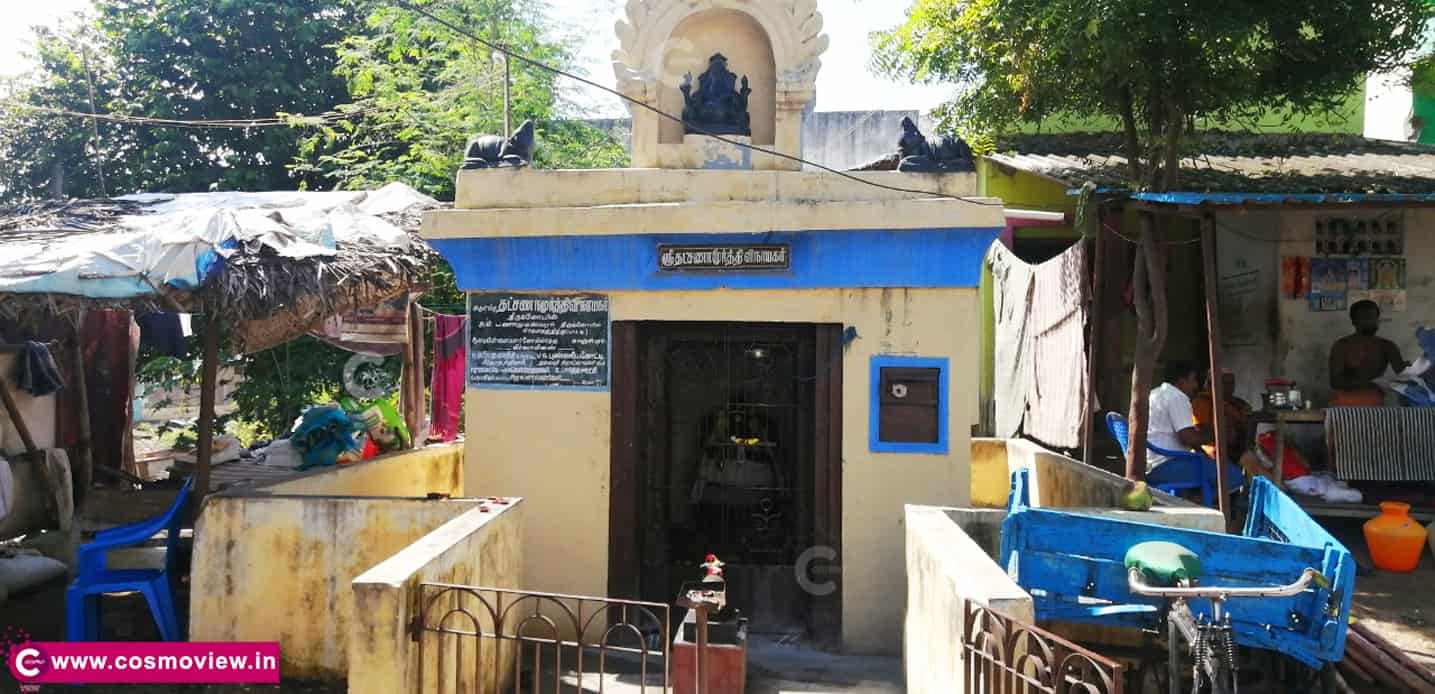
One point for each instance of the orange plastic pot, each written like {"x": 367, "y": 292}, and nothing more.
{"x": 1395, "y": 540}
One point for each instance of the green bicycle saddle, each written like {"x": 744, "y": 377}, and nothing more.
{"x": 1164, "y": 563}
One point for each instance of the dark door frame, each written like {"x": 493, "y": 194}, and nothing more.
{"x": 627, "y": 454}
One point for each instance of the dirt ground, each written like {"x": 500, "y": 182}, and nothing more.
{"x": 1400, "y": 607}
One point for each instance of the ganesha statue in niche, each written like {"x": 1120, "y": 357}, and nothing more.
{"x": 718, "y": 106}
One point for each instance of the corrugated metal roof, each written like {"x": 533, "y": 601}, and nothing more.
{"x": 1226, "y": 162}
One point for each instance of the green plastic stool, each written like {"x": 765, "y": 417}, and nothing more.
{"x": 1164, "y": 563}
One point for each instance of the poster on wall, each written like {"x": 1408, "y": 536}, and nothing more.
{"x": 1357, "y": 275}
{"x": 1240, "y": 296}
{"x": 538, "y": 341}
{"x": 1328, "y": 279}
{"x": 1295, "y": 277}
{"x": 1390, "y": 300}
{"x": 1387, "y": 274}
{"x": 1387, "y": 283}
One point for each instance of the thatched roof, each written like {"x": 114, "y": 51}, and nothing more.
{"x": 274, "y": 265}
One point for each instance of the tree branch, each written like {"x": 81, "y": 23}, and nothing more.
{"x": 1156, "y": 279}
{"x": 1130, "y": 135}
{"x": 1175, "y": 123}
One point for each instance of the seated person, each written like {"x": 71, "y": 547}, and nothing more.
{"x": 1172, "y": 424}
{"x": 1237, "y": 413}
{"x": 1237, "y": 424}
{"x": 1358, "y": 359}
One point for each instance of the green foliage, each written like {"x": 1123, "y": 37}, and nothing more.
{"x": 35, "y": 146}
{"x": 174, "y": 59}
{"x": 281, "y": 382}
{"x": 411, "y": 90}
{"x": 420, "y": 90}
{"x": 222, "y": 59}
{"x": 1154, "y": 66}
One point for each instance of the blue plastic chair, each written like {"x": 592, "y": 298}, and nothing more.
{"x": 82, "y": 599}
{"x": 1182, "y": 470}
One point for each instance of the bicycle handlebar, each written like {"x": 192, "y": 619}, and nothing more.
{"x": 1139, "y": 587}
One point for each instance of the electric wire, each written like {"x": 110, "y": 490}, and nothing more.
{"x": 326, "y": 118}
{"x": 690, "y": 127}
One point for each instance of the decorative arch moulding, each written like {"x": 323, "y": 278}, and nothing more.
{"x": 793, "y": 27}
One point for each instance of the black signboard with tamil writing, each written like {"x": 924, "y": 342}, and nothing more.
{"x": 720, "y": 258}
{"x": 538, "y": 341}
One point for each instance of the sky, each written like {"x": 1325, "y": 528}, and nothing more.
{"x": 843, "y": 84}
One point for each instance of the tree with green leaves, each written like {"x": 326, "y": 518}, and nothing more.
{"x": 191, "y": 60}
{"x": 421, "y": 89}
{"x": 44, "y": 154}
{"x": 1154, "y": 66}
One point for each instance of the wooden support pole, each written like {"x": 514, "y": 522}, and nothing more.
{"x": 1396, "y": 652}
{"x": 208, "y": 384}
{"x": 416, "y": 343}
{"x": 1093, "y": 322}
{"x": 1386, "y": 668}
{"x": 408, "y": 402}
{"x": 1354, "y": 669}
{"x": 13, "y": 410}
{"x": 701, "y": 652}
{"x": 1213, "y": 338}
{"x": 84, "y": 449}
{"x": 32, "y": 453}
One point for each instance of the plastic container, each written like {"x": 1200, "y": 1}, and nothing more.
{"x": 1395, "y": 540}
{"x": 1277, "y": 395}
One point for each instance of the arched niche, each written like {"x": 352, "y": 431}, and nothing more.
{"x": 739, "y": 37}
{"x": 773, "y": 42}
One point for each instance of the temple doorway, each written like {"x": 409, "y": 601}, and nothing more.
{"x": 727, "y": 462}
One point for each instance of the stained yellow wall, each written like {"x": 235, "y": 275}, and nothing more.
{"x": 478, "y": 548}
{"x": 277, "y": 568}
{"x": 436, "y": 469}
{"x": 552, "y": 447}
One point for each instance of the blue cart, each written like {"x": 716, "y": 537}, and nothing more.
{"x": 1287, "y": 580}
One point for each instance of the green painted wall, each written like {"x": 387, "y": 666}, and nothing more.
{"x": 1017, "y": 190}
{"x": 1424, "y": 109}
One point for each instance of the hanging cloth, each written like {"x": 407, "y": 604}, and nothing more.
{"x": 1056, "y": 401}
{"x": 162, "y": 332}
{"x": 110, "y": 341}
{"x": 1040, "y": 345}
{"x": 449, "y": 354}
{"x": 1011, "y": 298}
{"x": 35, "y": 371}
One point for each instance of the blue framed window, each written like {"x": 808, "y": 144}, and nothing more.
{"x": 909, "y": 405}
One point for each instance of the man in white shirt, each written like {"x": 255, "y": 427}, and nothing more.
{"x": 1171, "y": 426}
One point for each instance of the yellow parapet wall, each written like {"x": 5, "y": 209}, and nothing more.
{"x": 947, "y": 567}
{"x": 991, "y": 481}
{"x": 436, "y": 469}
{"x": 479, "y": 548}
{"x": 531, "y": 188}
{"x": 277, "y": 568}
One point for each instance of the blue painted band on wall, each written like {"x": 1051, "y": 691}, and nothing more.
{"x": 949, "y": 257}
